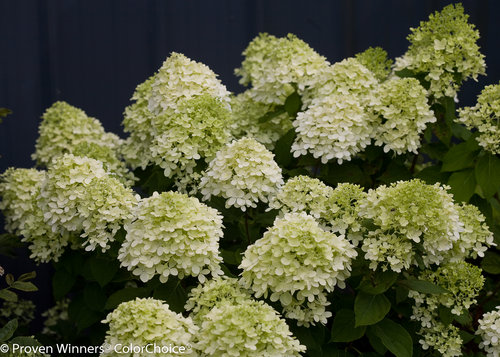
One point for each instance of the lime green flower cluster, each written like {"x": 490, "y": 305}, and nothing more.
{"x": 249, "y": 328}
{"x": 375, "y": 59}
{"x": 488, "y": 329}
{"x": 53, "y": 316}
{"x": 484, "y": 117}
{"x": 65, "y": 128}
{"x": 246, "y": 113}
{"x": 297, "y": 263}
{"x": 180, "y": 115}
{"x": 141, "y": 322}
{"x": 79, "y": 195}
{"x": 338, "y": 122}
{"x": 402, "y": 105}
{"x": 444, "y": 48}
{"x": 23, "y": 310}
{"x": 408, "y": 215}
{"x": 19, "y": 189}
{"x": 274, "y": 65}
{"x": 243, "y": 172}
{"x": 172, "y": 234}
{"x": 463, "y": 281}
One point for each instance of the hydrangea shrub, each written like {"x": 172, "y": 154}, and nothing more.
{"x": 330, "y": 209}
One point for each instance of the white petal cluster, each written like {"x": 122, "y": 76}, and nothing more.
{"x": 19, "y": 189}
{"x": 297, "y": 263}
{"x": 375, "y": 59}
{"x": 249, "y": 328}
{"x": 405, "y": 113}
{"x": 23, "y": 310}
{"x": 141, "y": 322}
{"x": 274, "y": 65}
{"x": 444, "y": 48}
{"x": 172, "y": 234}
{"x": 53, "y": 316}
{"x": 405, "y": 214}
{"x": 484, "y": 117}
{"x": 338, "y": 122}
{"x": 244, "y": 173}
{"x": 489, "y": 330}
{"x": 78, "y": 195}
{"x": 246, "y": 112}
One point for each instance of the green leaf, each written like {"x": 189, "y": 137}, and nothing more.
{"x": 466, "y": 337}
{"x": 103, "y": 270}
{"x": 435, "y": 151}
{"x": 394, "y": 337}
{"x": 347, "y": 172}
{"x": 8, "y": 295}
{"x": 24, "y": 286}
{"x": 87, "y": 319}
{"x": 278, "y": 110}
{"x": 465, "y": 319}
{"x": 343, "y": 329}
{"x": 231, "y": 257}
{"x": 445, "y": 315}
{"x": 463, "y": 185}
{"x": 282, "y": 153}
{"x": 293, "y": 104}
{"x": 395, "y": 172}
{"x": 125, "y": 294}
{"x": 25, "y": 341}
{"x": 62, "y": 282}
{"x": 27, "y": 276}
{"x": 378, "y": 283}
{"x": 458, "y": 157}
{"x": 94, "y": 297}
{"x": 432, "y": 174}
{"x": 491, "y": 263}
{"x": 423, "y": 286}
{"x": 8, "y": 330}
{"x": 488, "y": 174}
{"x": 375, "y": 342}
{"x": 370, "y": 309}
{"x": 9, "y": 279}
{"x": 173, "y": 293}
{"x": 460, "y": 131}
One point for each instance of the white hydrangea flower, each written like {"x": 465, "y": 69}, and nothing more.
{"x": 243, "y": 172}
{"x": 409, "y": 212}
{"x": 489, "y": 330}
{"x": 402, "y": 105}
{"x": 375, "y": 59}
{"x": 213, "y": 293}
{"x": 274, "y": 65}
{"x": 172, "y": 234}
{"x": 484, "y": 117}
{"x": 249, "y": 328}
{"x": 141, "y": 322}
{"x": 297, "y": 263}
{"x": 55, "y": 314}
{"x": 336, "y": 126}
{"x": 23, "y": 310}
{"x": 180, "y": 79}
{"x": 63, "y": 127}
{"x": 19, "y": 189}
{"x": 444, "y": 48}
{"x": 444, "y": 339}
{"x": 246, "y": 112}
{"x": 79, "y": 195}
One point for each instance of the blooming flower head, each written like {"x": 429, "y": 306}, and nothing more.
{"x": 297, "y": 263}
{"x": 444, "y": 48}
{"x": 143, "y": 322}
{"x": 344, "y": 214}
{"x": 274, "y": 65}
{"x": 409, "y": 213}
{"x": 172, "y": 234}
{"x": 484, "y": 117}
{"x": 63, "y": 127}
{"x": 180, "y": 79}
{"x": 249, "y": 328}
{"x": 246, "y": 112}
{"x": 78, "y": 195}
{"x": 375, "y": 59}
{"x": 489, "y": 330}
{"x": 336, "y": 126}
{"x": 213, "y": 293}
{"x": 53, "y": 316}
{"x": 19, "y": 189}
{"x": 402, "y": 104}
{"x": 243, "y": 172}
{"x": 23, "y": 310}
{"x": 442, "y": 338}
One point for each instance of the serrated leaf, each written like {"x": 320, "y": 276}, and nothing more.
{"x": 394, "y": 337}
{"x": 343, "y": 329}
{"x": 8, "y": 295}
{"x": 378, "y": 283}
{"x": 423, "y": 286}
{"x": 24, "y": 286}
{"x": 487, "y": 174}
{"x": 8, "y": 330}
{"x": 370, "y": 309}
{"x": 293, "y": 103}
{"x": 282, "y": 154}
{"x": 458, "y": 158}
{"x": 463, "y": 185}
{"x": 491, "y": 263}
